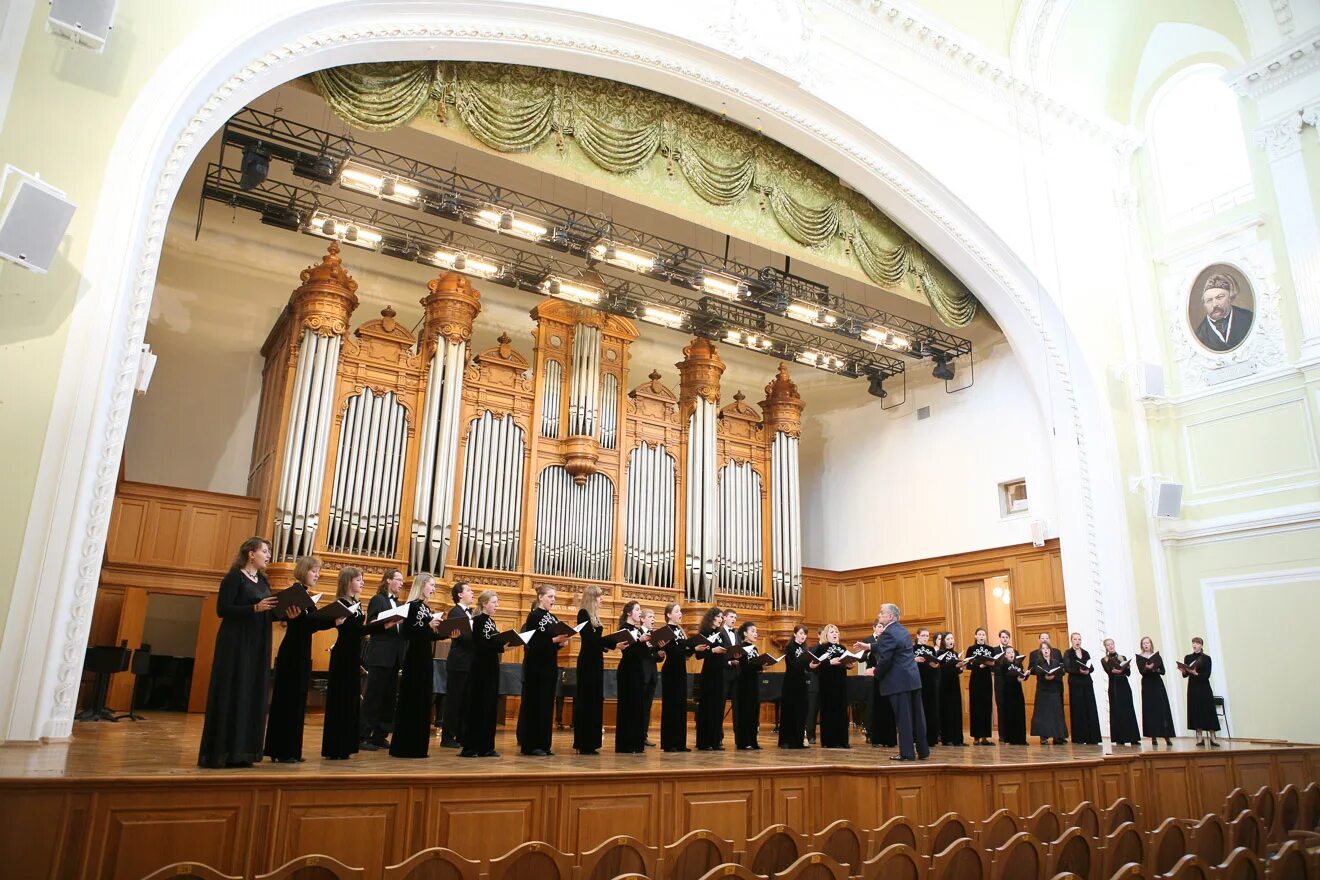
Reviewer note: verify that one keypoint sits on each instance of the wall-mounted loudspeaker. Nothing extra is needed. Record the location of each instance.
(1038, 533)
(1167, 498)
(33, 223)
(1150, 381)
(85, 23)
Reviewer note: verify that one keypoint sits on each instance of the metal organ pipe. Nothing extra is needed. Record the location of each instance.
(574, 525)
(786, 522)
(489, 509)
(366, 491)
(740, 519)
(609, 413)
(550, 399)
(702, 504)
(584, 387)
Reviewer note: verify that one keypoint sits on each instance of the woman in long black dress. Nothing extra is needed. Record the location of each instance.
(929, 667)
(951, 710)
(589, 701)
(412, 710)
(798, 663)
(1201, 714)
(630, 705)
(343, 693)
(1123, 730)
(235, 722)
(1083, 716)
(540, 669)
(1013, 708)
(980, 688)
(674, 682)
(293, 673)
(483, 690)
(710, 702)
(832, 683)
(881, 728)
(1156, 715)
(1047, 714)
(747, 707)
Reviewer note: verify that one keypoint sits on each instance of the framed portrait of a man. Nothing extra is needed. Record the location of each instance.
(1220, 308)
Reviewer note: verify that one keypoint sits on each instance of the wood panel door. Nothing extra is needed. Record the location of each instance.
(968, 613)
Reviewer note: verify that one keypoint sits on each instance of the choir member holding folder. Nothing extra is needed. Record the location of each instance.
(674, 649)
(412, 712)
(951, 713)
(343, 693)
(236, 702)
(1013, 705)
(457, 667)
(1201, 714)
(483, 687)
(747, 707)
(1156, 715)
(981, 687)
(798, 663)
(630, 707)
(536, 712)
(383, 655)
(293, 664)
(589, 701)
(832, 680)
(929, 667)
(1082, 712)
(881, 726)
(1123, 730)
(1047, 715)
(710, 703)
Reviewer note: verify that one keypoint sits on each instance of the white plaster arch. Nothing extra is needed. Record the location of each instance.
(215, 73)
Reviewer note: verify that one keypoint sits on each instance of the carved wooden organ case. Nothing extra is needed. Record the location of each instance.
(383, 450)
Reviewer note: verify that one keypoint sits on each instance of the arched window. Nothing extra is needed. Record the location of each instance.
(1200, 156)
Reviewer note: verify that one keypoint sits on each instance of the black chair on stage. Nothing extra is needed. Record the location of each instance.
(566, 689)
(140, 666)
(102, 661)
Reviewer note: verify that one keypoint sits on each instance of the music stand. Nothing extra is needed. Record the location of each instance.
(103, 661)
(140, 666)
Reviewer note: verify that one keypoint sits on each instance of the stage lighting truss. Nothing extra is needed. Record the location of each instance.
(572, 289)
(343, 229)
(467, 262)
(366, 180)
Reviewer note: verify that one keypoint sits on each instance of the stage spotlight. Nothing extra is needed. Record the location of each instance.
(943, 367)
(320, 168)
(282, 216)
(256, 165)
(877, 386)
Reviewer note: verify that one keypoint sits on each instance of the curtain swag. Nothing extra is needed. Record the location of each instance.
(623, 129)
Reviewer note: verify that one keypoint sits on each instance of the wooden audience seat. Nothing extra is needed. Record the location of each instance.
(313, 867)
(1123, 847)
(1210, 839)
(897, 831)
(1021, 858)
(189, 871)
(1234, 804)
(618, 855)
(961, 860)
(730, 871)
(1044, 824)
(1242, 864)
(1289, 863)
(1290, 811)
(1074, 853)
(844, 842)
(1311, 806)
(1248, 831)
(996, 830)
(1166, 845)
(533, 860)
(1086, 817)
(948, 828)
(694, 855)
(895, 862)
(436, 863)
(773, 850)
(1120, 811)
(1263, 805)
(1189, 867)
(813, 866)
(1131, 871)
(632, 877)
(1066, 876)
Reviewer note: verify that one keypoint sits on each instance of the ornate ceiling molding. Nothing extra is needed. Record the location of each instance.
(1276, 69)
(1035, 29)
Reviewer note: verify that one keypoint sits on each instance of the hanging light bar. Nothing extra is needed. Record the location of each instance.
(717, 284)
(663, 317)
(360, 179)
(887, 338)
(466, 262)
(511, 222)
(327, 226)
(810, 314)
(572, 289)
(624, 257)
(821, 361)
(749, 340)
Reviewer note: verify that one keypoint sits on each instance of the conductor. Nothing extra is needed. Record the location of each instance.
(896, 670)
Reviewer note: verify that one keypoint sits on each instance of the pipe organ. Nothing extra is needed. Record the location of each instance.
(514, 471)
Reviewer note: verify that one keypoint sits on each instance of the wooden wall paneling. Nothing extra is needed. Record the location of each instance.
(1111, 782)
(909, 794)
(132, 620)
(1292, 770)
(595, 814)
(966, 793)
(1171, 788)
(1008, 791)
(127, 519)
(728, 808)
(208, 627)
(503, 817)
(308, 822)
(105, 624)
(1212, 781)
(133, 834)
(38, 837)
(791, 800)
(1253, 771)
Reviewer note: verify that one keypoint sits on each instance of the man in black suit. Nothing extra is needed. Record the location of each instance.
(731, 643)
(1225, 325)
(384, 659)
(457, 667)
(896, 668)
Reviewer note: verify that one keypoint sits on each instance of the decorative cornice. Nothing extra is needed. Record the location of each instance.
(1278, 68)
(1282, 137)
(1037, 24)
(1243, 525)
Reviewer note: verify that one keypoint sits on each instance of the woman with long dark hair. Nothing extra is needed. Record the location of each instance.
(710, 702)
(980, 688)
(747, 717)
(1156, 715)
(798, 663)
(951, 710)
(293, 673)
(343, 693)
(630, 706)
(1123, 730)
(589, 701)
(483, 690)
(536, 712)
(412, 711)
(1013, 708)
(674, 682)
(881, 727)
(929, 668)
(1083, 716)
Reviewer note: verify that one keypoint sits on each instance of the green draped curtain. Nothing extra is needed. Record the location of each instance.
(623, 129)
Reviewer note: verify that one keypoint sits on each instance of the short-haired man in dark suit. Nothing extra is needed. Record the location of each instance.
(896, 669)
(384, 659)
(457, 667)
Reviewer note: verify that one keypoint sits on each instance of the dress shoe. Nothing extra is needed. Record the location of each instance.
(368, 746)
(925, 757)
(1214, 744)
(588, 751)
(450, 744)
(466, 754)
(537, 753)
(649, 743)
(900, 758)
(549, 754)
(491, 754)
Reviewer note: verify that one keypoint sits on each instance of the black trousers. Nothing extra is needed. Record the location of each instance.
(455, 692)
(910, 718)
(378, 703)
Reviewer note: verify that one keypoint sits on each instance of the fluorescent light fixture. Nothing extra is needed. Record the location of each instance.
(663, 317)
(883, 336)
(745, 339)
(818, 359)
(725, 286)
(356, 177)
(809, 314)
(328, 226)
(623, 257)
(468, 263)
(511, 222)
(572, 289)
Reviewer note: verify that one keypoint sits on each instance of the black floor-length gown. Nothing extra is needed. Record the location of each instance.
(483, 689)
(1201, 714)
(747, 714)
(1083, 716)
(980, 692)
(833, 695)
(1013, 707)
(630, 704)
(951, 710)
(540, 669)
(1156, 714)
(288, 696)
(793, 697)
(674, 695)
(589, 701)
(412, 709)
(1047, 715)
(881, 726)
(343, 693)
(710, 702)
(1123, 728)
(930, 690)
(236, 701)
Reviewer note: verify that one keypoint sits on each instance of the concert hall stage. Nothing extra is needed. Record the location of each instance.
(120, 800)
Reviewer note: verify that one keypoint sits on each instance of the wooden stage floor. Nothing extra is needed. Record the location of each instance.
(120, 800)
